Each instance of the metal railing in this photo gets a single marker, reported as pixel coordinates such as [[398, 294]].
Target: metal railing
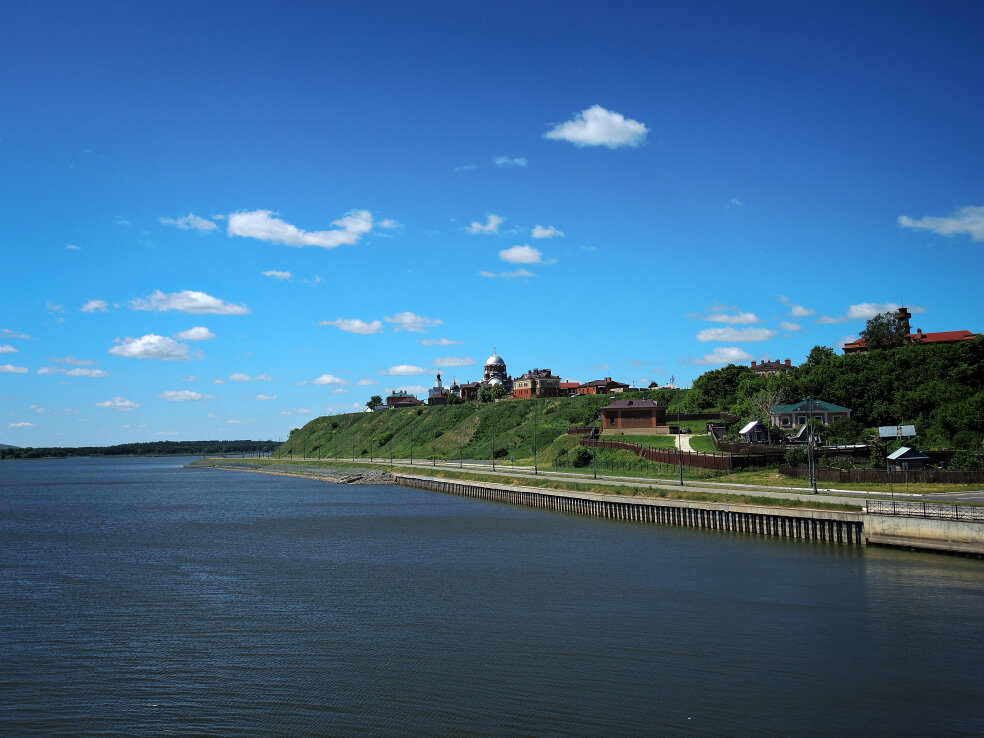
[[974, 513]]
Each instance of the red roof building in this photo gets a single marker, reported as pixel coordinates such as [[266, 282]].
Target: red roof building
[[918, 338]]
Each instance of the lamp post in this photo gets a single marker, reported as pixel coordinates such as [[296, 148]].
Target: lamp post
[[811, 455], [411, 443], [493, 448], [680, 444], [535, 408]]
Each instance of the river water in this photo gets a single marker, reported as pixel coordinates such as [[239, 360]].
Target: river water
[[140, 598]]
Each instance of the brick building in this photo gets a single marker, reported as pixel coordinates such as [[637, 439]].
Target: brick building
[[634, 416]]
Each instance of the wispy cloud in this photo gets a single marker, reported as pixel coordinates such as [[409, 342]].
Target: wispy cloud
[[54, 307], [391, 225], [547, 232], [190, 222], [965, 221], [95, 306], [447, 362], [517, 274], [328, 379], [719, 314], [466, 168], [11, 369], [407, 321], [198, 333], [866, 311], [188, 301], [355, 325], [152, 346], [490, 226], [596, 126], [366, 382], [791, 327], [7, 349], [278, 275], [723, 355], [796, 311], [264, 398], [7, 333], [405, 370], [505, 161], [22, 424], [184, 396], [262, 225], [736, 335], [72, 247], [240, 377], [120, 404], [440, 342]]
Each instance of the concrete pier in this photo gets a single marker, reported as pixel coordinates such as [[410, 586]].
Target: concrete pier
[[814, 525]]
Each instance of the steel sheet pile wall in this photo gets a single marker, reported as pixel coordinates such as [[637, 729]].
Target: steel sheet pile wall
[[816, 525]]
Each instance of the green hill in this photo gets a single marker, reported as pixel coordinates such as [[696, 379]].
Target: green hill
[[445, 431]]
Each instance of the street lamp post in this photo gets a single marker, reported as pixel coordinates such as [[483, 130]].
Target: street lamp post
[[535, 408], [811, 453], [680, 444], [493, 448]]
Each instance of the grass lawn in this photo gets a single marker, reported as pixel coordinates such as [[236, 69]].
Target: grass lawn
[[702, 444], [648, 441]]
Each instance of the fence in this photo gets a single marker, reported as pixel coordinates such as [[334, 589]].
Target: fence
[[687, 458], [882, 476], [581, 430], [974, 513]]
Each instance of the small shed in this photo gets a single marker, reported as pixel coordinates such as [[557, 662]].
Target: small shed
[[907, 458], [896, 431], [755, 432]]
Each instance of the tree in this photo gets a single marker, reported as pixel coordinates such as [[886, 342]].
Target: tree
[[498, 392], [885, 331], [818, 354], [374, 402]]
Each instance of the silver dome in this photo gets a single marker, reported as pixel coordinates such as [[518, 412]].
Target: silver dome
[[495, 381], [495, 360]]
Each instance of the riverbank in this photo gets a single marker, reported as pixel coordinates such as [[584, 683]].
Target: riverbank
[[318, 472]]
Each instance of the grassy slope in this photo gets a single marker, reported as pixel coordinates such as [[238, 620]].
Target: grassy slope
[[443, 430]]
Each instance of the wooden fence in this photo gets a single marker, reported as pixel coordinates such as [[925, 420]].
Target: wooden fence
[[688, 458], [882, 476]]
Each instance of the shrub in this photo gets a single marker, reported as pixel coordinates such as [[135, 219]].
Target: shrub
[[796, 456], [385, 438], [580, 457]]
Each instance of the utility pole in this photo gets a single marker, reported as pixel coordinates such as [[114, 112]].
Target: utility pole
[[536, 407], [811, 454], [680, 444], [411, 443], [493, 448]]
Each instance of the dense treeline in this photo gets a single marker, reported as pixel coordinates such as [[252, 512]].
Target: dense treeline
[[148, 448], [939, 389]]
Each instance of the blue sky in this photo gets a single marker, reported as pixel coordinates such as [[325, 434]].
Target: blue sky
[[222, 220]]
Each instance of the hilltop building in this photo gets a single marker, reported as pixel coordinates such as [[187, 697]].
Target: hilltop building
[[918, 338], [643, 417], [601, 387], [438, 394], [536, 383], [402, 399], [769, 368]]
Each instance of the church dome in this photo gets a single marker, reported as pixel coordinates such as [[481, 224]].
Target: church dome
[[495, 360], [495, 381]]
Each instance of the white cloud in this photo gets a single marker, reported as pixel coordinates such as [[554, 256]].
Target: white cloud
[[11, 369], [265, 397], [865, 311], [72, 361], [505, 161], [412, 389], [118, 403], [237, 422], [299, 411], [189, 221], [453, 361], [787, 326], [466, 168], [84, 372], [339, 391], [796, 311], [439, 342], [261, 224], [328, 379], [72, 247], [405, 370], [366, 382], [23, 424], [969, 221], [7, 333], [737, 203], [278, 275], [490, 226], [184, 396], [839, 344], [523, 255], [407, 321], [190, 378], [355, 325], [738, 318], [7, 349], [596, 126], [389, 224], [95, 306], [198, 333], [54, 308], [151, 346], [546, 232], [724, 355], [240, 377], [739, 335], [188, 301], [50, 370], [507, 275]]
